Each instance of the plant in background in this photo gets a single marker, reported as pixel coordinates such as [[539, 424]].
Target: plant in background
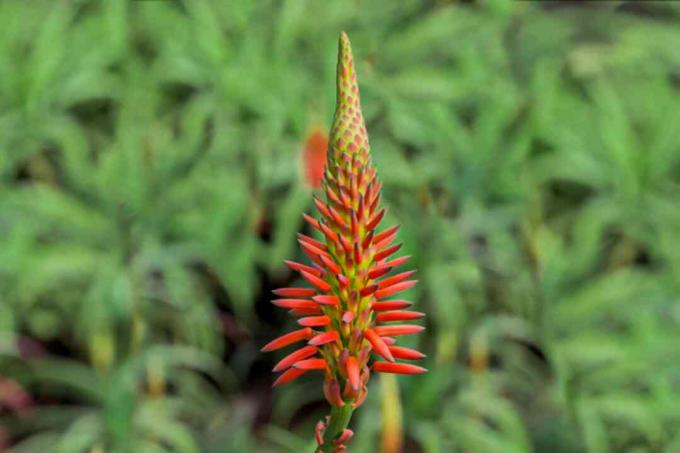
[[314, 157], [342, 316]]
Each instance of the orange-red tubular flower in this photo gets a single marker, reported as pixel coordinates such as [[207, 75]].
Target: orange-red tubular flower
[[350, 276], [314, 157]]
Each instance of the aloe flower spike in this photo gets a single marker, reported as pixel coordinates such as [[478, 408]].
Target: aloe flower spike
[[351, 261]]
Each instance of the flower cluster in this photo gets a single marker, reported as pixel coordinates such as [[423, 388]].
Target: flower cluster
[[349, 311]]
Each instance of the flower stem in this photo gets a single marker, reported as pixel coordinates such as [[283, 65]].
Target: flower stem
[[339, 420]]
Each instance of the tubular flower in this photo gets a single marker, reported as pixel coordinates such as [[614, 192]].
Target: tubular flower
[[350, 277], [314, 158]]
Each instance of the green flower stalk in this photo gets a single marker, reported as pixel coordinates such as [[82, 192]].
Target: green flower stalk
[[347, 314]]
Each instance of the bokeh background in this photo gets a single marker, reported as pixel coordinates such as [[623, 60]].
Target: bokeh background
[[153, 172]]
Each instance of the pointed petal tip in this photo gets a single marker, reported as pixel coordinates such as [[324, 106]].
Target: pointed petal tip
[[390, 305], [397, 261], [397, 330], [303, 353], [316, 281], [324, 338], [325, 299], [289, 375], [294, 292], [393, 280], [398, 368], [287, 339], [310, 364], [396, 288], [401, 352], [399, 315], [315, 321], [378, 344]]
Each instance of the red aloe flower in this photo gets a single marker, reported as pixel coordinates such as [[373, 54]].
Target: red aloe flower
[[314, 157], [342, 312]]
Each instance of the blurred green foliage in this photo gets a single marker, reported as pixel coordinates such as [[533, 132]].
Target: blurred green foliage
[[150, 188]]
